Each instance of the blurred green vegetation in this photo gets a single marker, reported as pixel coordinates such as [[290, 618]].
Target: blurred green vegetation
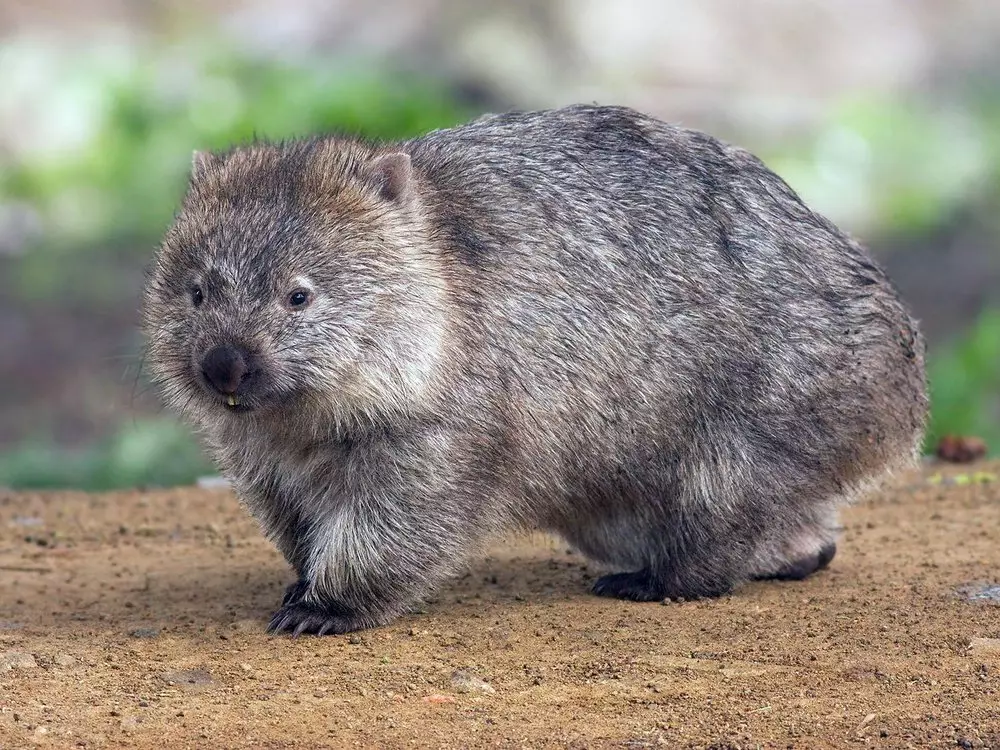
[[149, 452], [137, 121], [131, 120], [965, 384]]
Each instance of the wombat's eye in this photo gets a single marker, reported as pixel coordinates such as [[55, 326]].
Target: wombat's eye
[[196, 296], [299, 299]]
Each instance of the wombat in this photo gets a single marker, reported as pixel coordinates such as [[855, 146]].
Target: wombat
[[582, 320]]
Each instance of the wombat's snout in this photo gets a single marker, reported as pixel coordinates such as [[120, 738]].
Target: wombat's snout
[[226, 368]]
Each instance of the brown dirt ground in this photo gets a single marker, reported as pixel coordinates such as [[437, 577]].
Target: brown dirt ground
[[136, 620]]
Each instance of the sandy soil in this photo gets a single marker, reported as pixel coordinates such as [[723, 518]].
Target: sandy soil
[[136, 620]]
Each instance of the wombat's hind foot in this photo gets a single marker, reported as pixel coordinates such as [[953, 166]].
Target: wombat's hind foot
[[644, 586], [803, 567], [638, 587], [299, 617]]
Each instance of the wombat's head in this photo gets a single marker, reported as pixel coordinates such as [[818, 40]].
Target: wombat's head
[[295, 286]]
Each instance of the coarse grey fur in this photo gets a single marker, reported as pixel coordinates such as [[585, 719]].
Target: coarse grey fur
[[583, 320]]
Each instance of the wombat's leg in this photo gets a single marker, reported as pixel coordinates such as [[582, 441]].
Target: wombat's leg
[[713, 570], [288, 531], [383, 543], [677, 557], [370, 561], [295, 591]]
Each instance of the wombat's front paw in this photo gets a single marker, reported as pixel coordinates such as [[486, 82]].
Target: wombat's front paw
[[300, 617]]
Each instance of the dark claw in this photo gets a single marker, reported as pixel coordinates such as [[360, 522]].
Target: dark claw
[[299, 618]]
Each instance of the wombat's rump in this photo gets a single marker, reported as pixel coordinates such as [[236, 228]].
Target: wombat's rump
[[583, 320]]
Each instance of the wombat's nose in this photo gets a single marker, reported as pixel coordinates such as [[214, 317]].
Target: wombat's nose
[[224, 367]]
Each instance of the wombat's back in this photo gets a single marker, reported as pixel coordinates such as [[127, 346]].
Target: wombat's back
[[668, 318]]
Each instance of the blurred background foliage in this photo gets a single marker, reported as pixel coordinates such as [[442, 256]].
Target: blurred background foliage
[[96, 184]]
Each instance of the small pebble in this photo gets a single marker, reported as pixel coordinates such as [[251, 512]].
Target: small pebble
[[144, 632], [16, 660], [439, 699], [26, 521], [466, 682], [989, 593], [63, 660], [982, 645]]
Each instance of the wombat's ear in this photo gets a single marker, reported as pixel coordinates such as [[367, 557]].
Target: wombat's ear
[[201, 163], [392, 175]]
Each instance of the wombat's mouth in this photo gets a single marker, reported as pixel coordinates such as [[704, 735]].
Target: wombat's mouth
[[236, 403]]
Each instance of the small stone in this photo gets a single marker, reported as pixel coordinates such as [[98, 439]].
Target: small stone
[[985, 645], [16, 660], [988, 593], [960, 449], [354, 639], [129, 724], [437, 698], [246, 667], [26, 521], [144, 632], [63, 660], [466, 682]]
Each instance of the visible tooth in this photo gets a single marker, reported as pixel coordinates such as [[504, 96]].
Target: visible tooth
[[232, 400]]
